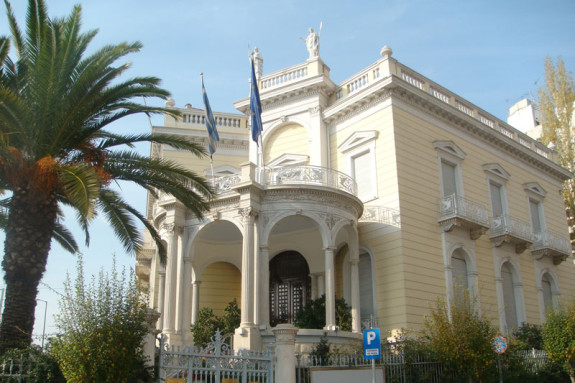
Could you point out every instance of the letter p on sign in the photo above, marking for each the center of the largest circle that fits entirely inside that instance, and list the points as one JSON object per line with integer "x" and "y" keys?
{"x": 371, "y": 344}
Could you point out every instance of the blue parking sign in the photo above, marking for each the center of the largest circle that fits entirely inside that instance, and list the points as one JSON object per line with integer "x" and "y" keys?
{"x": 371, "y": 344}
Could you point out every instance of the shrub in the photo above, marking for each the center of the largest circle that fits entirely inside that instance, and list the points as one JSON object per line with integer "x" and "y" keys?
{"x": 462, "y": 340}
{"x": 529, "y": 336}
{"x": 312, "y": 315}
{"x": 207, "y": 323}
{"x": 38, "y": 366}
{"x": 559, "y": 337}
{"x": 102, "y": 325}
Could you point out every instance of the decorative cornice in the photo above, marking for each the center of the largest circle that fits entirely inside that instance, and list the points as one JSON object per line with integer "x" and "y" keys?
{"x": 476, "y": 128}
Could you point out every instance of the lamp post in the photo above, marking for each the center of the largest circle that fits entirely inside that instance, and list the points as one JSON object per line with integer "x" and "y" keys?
{"x": 44, "y": 327}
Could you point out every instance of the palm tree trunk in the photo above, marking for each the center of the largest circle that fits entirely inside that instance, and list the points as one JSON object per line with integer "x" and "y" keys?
{"x": 28, "y": 234}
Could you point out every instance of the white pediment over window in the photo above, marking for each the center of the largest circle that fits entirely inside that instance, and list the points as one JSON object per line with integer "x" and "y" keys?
{"x": 222, "y": 171}
{"x": 449, "y": 147}
{"x": 357, "y": 139}
{"x": 496, "y": 170}
{"x": 289, "y": 160}
{"x": 534, "y": 187}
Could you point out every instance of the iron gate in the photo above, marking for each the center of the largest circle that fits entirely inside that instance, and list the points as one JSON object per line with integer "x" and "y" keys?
{"x": 216, "y": 363}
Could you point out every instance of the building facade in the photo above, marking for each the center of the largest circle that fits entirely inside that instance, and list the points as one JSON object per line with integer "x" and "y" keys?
{"x": 386, "y": 190}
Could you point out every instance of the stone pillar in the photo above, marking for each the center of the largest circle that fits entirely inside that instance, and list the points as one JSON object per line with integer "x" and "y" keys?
{"x": 285, "y": 352}
{"x": 161, "y": 296}
{"x": 320, "y": 284}
{"x": 187, "y": 300}
{"x": 195, "y": 300}
{"x": 263, "y": 314}
{"x": 180, "y": 284}
{"x": 355, "y": 299}
{"x": 150, "y": 338}
{"x": 313, "y": 278}
{"x": 247, "y": 268}
{"x": 171, "y": 279}
{"x": 329, "y": 289}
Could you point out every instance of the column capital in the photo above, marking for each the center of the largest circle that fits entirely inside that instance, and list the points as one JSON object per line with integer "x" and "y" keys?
{"x": 354, "y": 262}
{"x": 247, "y": 212}
{"x": 172, "y": 228}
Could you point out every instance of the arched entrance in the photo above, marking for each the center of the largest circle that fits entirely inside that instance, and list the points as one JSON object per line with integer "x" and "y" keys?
{"x": 289, "y": 286}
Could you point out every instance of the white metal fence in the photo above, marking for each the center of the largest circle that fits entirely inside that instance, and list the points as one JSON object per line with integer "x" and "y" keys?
{"x": 216, "y": 363}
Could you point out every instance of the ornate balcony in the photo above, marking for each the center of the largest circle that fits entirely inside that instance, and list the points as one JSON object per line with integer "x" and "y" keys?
{"x": 308, "y": 175}
{"x": 381, "y": 214}
{"x": 456, "y": 211}
{"x": 223, "y": 185}
{"x": 506, "y": 229}
{"x": 552, "y": 245}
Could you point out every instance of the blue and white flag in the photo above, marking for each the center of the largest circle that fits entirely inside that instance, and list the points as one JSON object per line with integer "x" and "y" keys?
{"x": 255, "y": 107}
{"x": 213, "y": 136}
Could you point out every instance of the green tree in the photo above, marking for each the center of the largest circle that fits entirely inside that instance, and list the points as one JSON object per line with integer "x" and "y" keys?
{"x": 556, "y": 101}
{"x": 56, "y": 102}
{"x": 102, "y": 325}
{"x": 559, "y": 337}
{"x": 461, "y": 338}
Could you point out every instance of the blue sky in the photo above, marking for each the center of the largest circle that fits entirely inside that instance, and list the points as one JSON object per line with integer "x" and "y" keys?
{"x": 489, "y": 52}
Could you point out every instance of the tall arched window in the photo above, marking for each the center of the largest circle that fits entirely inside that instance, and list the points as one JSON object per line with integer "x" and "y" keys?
{"x": 366, "y": 286}
{"x": 459, "y": 275}
{"x": 509, "y": 301}
{"x": 546, "y": 285}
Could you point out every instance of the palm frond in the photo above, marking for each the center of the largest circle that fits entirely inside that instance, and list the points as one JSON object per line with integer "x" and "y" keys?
{"x": 120, "y": 219}
{"x": 65, "y": 238}
{"x": 81, "y": 186}
{"x": 175, "y": 141}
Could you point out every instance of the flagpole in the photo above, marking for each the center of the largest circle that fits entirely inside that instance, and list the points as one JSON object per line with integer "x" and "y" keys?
{"x": 213, "y": 136}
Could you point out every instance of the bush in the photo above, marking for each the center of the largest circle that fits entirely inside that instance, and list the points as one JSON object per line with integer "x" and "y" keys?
{"x": 462, "y": 340}
{"x": 207, "y": 323}
{"x": 102, "y": 325}
{"x": 559, "y": 337}
{"x": 312, "y": 315}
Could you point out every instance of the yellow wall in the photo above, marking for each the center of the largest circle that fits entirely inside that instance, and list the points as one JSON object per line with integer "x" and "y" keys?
{"x": 221, "y": 283}
{"x": 291, "y": 138}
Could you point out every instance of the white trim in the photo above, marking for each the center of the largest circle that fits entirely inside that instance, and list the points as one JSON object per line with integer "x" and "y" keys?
{"x": 356, "y": 145}
{"x": 358, "y": 139}
{"x": 497, "y": 171}
{"x": 289, "y": 160}
{"x": 534, "y": 188}
{"x": 449, "y": 148}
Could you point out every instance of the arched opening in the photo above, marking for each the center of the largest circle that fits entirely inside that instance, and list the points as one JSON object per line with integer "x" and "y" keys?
{"x": 290, "y": 286}
{"x": 459, "y": 276}
{"x": 547, "y": 287}
{"x": 366, "y": 296}
{"x": 509, "y": 300}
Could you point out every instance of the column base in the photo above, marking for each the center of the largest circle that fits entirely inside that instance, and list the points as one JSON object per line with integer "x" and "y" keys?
{"x": 247, "y": 338}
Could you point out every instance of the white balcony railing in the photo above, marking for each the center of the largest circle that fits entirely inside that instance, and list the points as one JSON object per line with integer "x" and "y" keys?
{"x": 457, "y": 206}
{"x": 308, "y": 175}
{"x": 507, "y": 225}
{"x": 381, "y": 214}
{"x": 553, "y": 241}
{"x": 223, "y": 185}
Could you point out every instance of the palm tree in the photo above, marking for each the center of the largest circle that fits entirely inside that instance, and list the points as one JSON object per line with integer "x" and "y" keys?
{"x": 55, "y": 102}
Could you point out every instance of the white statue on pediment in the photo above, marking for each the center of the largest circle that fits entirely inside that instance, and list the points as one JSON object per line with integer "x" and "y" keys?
{"x": 258, "y": 62}
{"x": 312, "y": 43}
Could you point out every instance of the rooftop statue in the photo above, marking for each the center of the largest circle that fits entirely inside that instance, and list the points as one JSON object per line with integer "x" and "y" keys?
{"x": 312, "y": 43}
{"x": 258, "y": 62}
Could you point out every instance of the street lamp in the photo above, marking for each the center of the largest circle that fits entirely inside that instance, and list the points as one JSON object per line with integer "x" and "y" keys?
{"x": 44, "y": 329}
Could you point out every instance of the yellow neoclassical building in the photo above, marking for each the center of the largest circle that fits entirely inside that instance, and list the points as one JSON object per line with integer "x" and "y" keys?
{"x": 387, "y": 190}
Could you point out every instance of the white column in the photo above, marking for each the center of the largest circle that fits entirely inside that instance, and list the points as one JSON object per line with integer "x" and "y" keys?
{"x": 187, "y": 301}
{"x": 320, "y": 284}
{"x": 285, "y": 352}
{"x": 313, "y": 278}
{"x": 263, "y": 317}
{"x": 161, "y": 295}
{"x": 195, "y": 300}
{"x": 257, "y": 291}
{"x": 171, "y": 279}
{"x": 329, "y": 289}
{"x": 180, "y": 273}
{"x": 355, "y": 299}
{"x": 247, "y": 268}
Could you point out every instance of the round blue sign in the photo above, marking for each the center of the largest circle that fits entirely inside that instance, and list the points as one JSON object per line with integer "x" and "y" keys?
{"x": 499, "y": 344}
